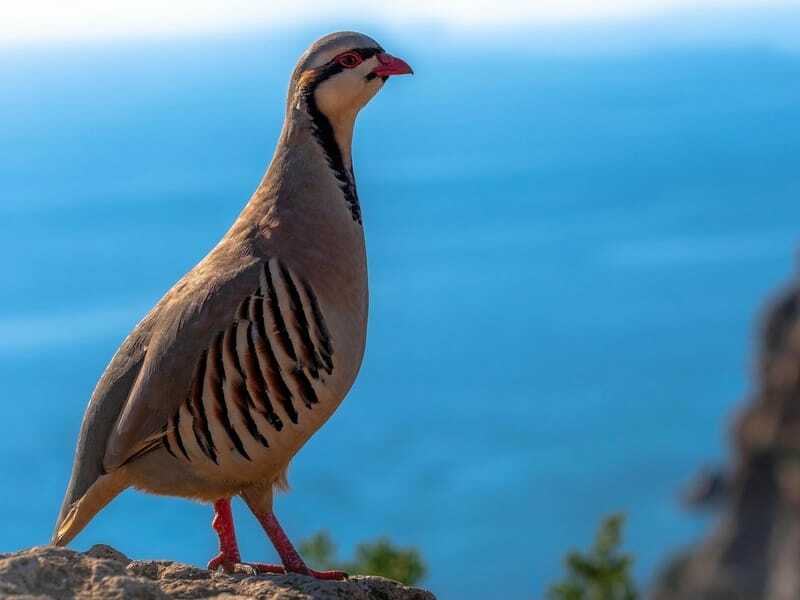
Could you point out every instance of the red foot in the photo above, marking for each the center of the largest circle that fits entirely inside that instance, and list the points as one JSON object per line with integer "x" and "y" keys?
{"x": 290, "y": 557}
{"x": 242, "y": 567}
{"x": 230, "y": 560}
{"x": 222, "y": 523}
{"x": 257, "y": 568}
{"x": 331, "y": 575}
{"x": 220, "y": 561}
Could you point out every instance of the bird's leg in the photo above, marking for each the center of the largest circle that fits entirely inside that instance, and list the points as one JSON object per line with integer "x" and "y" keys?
{"x": 229, "y": 558}
{"x": 259, "y": 499}
{"x": 222, "y": 523}
{"x": 289, "y": 556}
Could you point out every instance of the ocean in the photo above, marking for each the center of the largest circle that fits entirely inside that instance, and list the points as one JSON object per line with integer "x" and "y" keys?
{"x": 567, "y": 258}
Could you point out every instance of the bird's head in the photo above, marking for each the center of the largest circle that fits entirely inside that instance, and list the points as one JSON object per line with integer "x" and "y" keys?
{"x": 340, "y": 73}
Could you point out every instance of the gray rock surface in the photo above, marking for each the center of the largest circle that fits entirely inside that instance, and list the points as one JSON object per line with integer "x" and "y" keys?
{"x": 46, "y": 572}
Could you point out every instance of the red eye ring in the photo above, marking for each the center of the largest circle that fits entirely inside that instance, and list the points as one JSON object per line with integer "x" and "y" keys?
{"x": 349, "y": 60}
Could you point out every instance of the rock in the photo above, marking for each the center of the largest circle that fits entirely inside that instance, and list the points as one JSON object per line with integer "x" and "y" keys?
{"x": 753, "y": 552}
{"x": 709, "y": 489}
{"x": 50, "y": 572}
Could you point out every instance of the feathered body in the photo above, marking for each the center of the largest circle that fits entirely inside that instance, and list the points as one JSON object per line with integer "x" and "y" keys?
{"x": 235, "y": 368}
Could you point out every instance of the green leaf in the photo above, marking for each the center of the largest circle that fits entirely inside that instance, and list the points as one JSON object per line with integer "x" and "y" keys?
{"x": 380, "y": 557}
{"x": 602, "y": 573}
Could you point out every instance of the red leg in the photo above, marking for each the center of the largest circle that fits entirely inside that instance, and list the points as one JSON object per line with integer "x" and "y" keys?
{"x": 229, "y": 558}
{"x": 290, "y": 557}
{"x": 222, "y": 523}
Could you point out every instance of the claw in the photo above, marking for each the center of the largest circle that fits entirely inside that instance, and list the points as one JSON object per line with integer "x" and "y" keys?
{"x": 268, "y": 568}
{"x": 251, "y": 569}
{"x": 220, "y": 561}
{"x": 245, "y": 569}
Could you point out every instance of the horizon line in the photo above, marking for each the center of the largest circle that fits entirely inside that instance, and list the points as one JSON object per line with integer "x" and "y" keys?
{"x": 578, "y": 22}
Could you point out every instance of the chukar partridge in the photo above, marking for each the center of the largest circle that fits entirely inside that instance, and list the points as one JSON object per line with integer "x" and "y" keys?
{"x": 226, "y": 378}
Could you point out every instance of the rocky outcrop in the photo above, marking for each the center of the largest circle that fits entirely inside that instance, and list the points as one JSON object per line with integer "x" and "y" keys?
{"x": 47, "y": 572}
{"x": 754, "y": 552}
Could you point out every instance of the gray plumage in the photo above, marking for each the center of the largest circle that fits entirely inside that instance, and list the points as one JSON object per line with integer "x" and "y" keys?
{"x": 224, "y": 380}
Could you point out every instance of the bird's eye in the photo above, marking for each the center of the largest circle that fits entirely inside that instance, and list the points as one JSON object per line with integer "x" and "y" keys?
{"x": 349, "y": 60}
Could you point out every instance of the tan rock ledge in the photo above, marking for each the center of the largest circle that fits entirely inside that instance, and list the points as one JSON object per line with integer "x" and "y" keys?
{"x": 103, "y": 573}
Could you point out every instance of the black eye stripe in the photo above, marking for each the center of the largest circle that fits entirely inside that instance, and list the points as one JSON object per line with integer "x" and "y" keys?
{"x": 364, "y": 53}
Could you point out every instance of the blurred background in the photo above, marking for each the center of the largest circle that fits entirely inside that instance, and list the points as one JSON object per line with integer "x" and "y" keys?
{"x": 573, "y": 212}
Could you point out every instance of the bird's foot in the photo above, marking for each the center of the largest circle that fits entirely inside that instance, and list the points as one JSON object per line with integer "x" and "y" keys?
{"x": 230, "y": 566}
{"x": 267, "y": 568}
{"x": 220, "y": 561}
{"x": 328, "y": 575}
{"x": 295, "y": 564}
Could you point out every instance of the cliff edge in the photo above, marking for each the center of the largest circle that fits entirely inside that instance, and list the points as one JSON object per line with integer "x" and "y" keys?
{"x": 46, "y": 572}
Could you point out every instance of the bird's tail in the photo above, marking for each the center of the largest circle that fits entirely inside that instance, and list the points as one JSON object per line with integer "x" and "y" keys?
{"x": 104, "y": 489}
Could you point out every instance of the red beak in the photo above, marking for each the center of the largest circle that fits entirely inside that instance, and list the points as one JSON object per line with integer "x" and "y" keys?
{"x": 391, "y": 65}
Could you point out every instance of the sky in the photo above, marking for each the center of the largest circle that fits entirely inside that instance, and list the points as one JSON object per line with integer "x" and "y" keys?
{"x": 620, "y": 175}
{"x": 49, "y": 20}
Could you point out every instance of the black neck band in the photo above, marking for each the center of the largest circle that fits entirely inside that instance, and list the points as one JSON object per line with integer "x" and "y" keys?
{"x": 323, "y": 132}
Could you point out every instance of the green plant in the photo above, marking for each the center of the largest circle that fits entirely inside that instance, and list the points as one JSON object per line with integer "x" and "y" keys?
{"x": 380, "y": 557}
{"x": 602, "y": 573}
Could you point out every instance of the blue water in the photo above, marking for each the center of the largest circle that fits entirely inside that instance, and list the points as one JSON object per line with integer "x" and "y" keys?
{"x": 566, "y": 258}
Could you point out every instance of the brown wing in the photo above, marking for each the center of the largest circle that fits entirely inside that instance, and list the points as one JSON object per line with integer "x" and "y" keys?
{"x": 241, "y": 355}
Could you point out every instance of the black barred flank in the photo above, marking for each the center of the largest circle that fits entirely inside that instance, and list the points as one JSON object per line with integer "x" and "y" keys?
{"x": 254, "y": 369}
{"x": 165, "y": 439}
{"x": 280, "y": 323}
{"x": 274, "y": 378}
{"x": 176, "y": 427}
{"x": 326, "y": 350}
{"x": 241, "y": 314}
{"x": 306, "y": 389}
{"x": 218, "y": 394}
{"x": 241, "y": 393}
{"x": 249, "y": 422}
{"x": 230, "y": 347}
{"x": 195, "y": 428}
{"x": 302, "y": 324}
{"x": 200, "y": 420}
{"x": 248, "y": 373}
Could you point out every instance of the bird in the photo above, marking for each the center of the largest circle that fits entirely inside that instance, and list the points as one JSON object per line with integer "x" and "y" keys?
{"x": 219, "y": 386}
